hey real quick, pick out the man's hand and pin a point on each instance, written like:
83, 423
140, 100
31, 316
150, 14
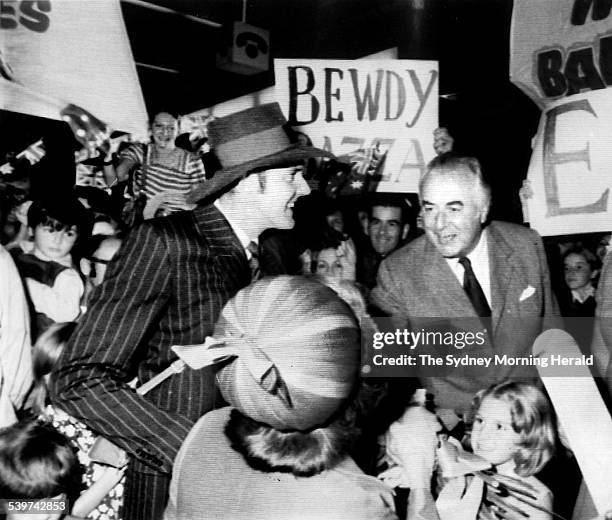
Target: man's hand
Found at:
347, 257
443, 141
167, 197
513, 499
526, 191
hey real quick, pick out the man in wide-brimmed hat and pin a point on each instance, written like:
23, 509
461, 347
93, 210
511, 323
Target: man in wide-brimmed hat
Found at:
166, 286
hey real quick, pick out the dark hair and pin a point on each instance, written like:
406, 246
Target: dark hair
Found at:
61, 213
37, 461
302, 454
592, 259
45, 353
163, 110
392, 200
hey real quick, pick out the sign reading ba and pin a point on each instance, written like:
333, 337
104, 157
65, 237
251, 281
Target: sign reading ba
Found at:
346, 105
562, 58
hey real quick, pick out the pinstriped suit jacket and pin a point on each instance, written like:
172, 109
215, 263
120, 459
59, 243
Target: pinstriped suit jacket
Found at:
166, 286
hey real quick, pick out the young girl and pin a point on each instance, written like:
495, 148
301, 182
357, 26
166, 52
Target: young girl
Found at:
513, 430
103, 495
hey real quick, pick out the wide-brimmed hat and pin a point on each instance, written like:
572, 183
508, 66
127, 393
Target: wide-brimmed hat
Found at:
253, 139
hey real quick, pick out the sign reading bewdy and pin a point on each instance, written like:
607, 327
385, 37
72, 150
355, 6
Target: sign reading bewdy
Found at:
346, 105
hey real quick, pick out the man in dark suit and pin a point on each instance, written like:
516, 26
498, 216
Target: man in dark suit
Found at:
166, 286
472, 275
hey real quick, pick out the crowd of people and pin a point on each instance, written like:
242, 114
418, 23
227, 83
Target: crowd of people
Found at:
233, 270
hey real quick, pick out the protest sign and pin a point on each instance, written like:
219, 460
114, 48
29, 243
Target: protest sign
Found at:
570, 166
346, 105
54, 54
562, 58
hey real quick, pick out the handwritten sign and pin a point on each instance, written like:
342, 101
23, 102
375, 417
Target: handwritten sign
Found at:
54, 53
345, 105
562, 58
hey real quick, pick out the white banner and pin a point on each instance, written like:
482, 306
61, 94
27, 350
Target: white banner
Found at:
346, 105
562, 58
560, 47
570, 169
56, 52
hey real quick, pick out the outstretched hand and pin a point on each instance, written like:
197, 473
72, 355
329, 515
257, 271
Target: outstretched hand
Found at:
410, 448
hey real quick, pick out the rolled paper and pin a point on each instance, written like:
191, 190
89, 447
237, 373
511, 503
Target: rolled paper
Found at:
174, 368
581, 412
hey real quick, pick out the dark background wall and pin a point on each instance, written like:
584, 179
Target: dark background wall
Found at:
488, 116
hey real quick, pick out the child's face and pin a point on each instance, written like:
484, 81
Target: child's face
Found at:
578, 272
54, 244
493, 437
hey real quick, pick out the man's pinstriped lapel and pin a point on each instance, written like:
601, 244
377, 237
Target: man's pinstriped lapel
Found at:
220, 236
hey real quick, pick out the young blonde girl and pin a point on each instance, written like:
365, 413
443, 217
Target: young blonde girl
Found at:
103, 495
513, 430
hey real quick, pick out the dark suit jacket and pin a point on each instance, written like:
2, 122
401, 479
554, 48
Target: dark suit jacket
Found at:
166, 286
416, 282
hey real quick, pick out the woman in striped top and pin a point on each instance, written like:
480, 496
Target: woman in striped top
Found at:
159, 167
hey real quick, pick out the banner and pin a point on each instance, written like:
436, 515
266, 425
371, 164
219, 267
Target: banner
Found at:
59, 52
347, 105
416, 93
570, 168
561, 56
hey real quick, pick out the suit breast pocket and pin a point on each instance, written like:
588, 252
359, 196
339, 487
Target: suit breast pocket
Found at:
529, 301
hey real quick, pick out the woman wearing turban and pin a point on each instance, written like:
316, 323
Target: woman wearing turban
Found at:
289, 349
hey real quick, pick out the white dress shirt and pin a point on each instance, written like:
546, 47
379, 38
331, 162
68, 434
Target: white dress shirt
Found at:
479, 258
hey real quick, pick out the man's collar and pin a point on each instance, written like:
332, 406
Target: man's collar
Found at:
478, 254
219, 234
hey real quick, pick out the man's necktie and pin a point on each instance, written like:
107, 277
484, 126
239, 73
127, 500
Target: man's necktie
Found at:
256, 273
473, 289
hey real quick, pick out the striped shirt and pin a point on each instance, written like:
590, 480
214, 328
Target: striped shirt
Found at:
176, 172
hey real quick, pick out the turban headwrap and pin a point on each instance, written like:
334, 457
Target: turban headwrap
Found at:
294, 349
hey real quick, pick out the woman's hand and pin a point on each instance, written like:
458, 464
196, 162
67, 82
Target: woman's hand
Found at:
411, 443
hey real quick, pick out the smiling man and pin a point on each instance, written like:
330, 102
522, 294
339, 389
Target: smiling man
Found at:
464, 270
389, 220
166, 286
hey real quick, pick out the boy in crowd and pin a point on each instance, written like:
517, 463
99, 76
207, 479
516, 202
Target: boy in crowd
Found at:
39, 472
54, 286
